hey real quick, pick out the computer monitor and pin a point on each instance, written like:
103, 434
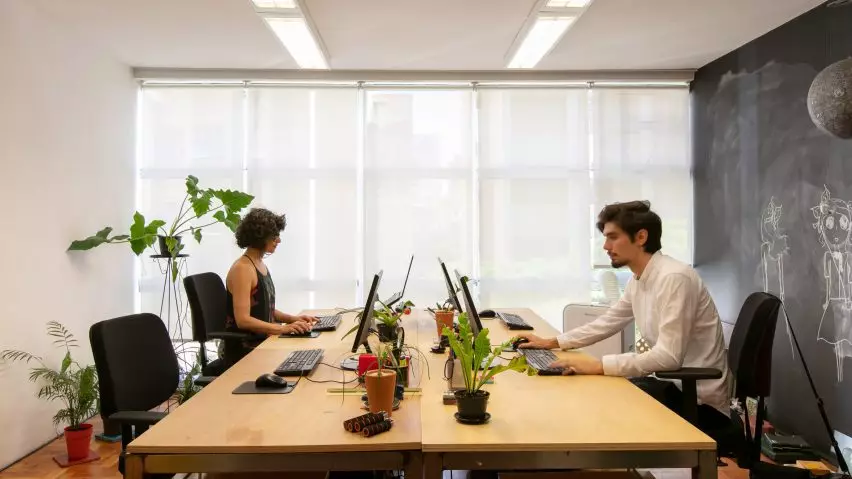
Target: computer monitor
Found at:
470, 308
364, 324
399, 294
451, 290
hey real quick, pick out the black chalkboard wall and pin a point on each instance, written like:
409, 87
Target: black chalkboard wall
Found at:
764, 177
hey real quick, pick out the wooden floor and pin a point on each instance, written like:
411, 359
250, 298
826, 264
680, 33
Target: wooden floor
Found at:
40, 464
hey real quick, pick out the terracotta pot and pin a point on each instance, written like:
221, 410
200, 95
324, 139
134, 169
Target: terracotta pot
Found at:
472, 406
77, 442
380, 389
443, 318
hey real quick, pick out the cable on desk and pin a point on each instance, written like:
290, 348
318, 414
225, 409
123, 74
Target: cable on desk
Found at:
335, 367
329, 381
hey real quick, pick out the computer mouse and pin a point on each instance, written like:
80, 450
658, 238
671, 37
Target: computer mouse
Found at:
518, 342
487, 313
270, 381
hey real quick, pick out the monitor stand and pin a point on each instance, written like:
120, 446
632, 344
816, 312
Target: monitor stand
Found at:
351, 363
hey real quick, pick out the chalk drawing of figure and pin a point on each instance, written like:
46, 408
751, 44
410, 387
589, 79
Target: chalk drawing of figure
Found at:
773, 249
834, 221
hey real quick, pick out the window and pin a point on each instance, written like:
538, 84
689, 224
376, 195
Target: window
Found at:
502, 183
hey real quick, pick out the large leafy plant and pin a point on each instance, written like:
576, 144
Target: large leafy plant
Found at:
206, 206
474, 352
75, 385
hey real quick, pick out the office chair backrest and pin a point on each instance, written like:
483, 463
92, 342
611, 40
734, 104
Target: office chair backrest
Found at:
136, 363
750, 349
207, 303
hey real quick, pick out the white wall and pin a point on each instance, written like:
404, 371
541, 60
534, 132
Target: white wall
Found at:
67, 119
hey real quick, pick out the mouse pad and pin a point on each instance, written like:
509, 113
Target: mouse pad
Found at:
248, 387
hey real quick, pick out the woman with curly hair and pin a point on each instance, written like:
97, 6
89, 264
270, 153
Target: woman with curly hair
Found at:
250, 291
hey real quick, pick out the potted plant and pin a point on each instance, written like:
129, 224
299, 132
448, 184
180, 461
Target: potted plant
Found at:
75, 385
472, 401
381, 382
209, 205
187, 387
444, 315
387, 321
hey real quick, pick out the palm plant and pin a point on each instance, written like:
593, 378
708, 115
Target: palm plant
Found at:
74, 385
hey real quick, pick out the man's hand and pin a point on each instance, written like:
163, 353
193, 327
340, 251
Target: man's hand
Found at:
295, 327
579, 364
535, 342
306, 318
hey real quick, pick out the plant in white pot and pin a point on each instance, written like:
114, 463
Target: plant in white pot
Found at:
475, 359
76, 386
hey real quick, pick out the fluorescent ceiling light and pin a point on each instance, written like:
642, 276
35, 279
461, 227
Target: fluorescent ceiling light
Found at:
567, 3
541, 38
295, 35
274, 3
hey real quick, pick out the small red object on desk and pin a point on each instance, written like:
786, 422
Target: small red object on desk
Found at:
367, 362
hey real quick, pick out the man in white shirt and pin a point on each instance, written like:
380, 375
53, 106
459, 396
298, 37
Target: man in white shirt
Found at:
670, 306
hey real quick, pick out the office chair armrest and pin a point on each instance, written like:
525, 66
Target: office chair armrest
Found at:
137, 418
203, 380
229, 335
694, 374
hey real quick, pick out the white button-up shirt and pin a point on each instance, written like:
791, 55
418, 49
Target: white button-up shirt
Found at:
676, 315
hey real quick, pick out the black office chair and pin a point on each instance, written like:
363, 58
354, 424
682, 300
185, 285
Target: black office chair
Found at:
750, 361
207, 303
137, 371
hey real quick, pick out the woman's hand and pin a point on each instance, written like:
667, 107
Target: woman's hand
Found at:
295, 327
306, 318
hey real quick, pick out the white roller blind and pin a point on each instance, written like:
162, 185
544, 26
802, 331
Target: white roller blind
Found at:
504, 184
302, 156
417, 188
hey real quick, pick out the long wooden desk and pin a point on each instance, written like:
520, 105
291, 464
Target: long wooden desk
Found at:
217, 431
537, 422
559, 422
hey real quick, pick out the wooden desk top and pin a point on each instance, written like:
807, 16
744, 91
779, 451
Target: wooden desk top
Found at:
528, 413
554, 413
307, 420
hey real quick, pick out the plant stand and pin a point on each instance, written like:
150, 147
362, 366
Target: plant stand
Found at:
173, 293
173, 301
62, 459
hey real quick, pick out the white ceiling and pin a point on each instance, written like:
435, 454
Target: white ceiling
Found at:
422, 35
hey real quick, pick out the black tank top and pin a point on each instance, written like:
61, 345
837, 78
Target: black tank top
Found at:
262, 305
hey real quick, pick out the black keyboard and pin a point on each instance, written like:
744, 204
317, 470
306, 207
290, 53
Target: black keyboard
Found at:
513, 321
327, 323
299, 363
540, 360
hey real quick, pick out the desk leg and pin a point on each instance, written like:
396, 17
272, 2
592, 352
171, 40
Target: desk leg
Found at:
707, 468
432, 465
134, 467
414, 465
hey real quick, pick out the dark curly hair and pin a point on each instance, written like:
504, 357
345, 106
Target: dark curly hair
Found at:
632, 217
259, 226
